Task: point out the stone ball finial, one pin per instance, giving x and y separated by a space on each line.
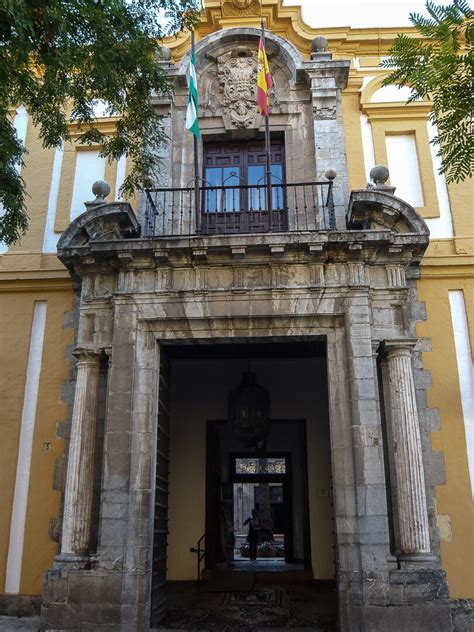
319 44
101 190
379 175
163 54
330 174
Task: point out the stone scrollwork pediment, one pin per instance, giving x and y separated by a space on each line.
101 222
373 209
237 76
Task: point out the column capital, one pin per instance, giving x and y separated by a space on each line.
398 346
85 354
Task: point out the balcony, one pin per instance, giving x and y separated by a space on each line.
238 209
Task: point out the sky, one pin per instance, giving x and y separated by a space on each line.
359 13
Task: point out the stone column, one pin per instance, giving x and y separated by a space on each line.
80 469
408 459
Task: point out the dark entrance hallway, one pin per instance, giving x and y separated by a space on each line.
216 478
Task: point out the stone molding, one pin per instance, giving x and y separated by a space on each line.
378 210
275 45
372 247
86 357
101 222
399 346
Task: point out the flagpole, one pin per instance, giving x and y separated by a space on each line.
196 165
268 174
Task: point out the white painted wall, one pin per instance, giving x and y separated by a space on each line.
89 168
465 371
22 480
50 239
367 145
404 168
440 227
120 177
391 94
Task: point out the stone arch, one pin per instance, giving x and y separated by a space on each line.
275 44
375 85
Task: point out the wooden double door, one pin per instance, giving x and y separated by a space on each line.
234 198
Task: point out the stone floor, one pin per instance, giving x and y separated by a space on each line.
309 607
19 623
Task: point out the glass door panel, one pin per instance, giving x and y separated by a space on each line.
218 200
231 177
257 197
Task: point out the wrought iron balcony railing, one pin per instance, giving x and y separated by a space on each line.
302 206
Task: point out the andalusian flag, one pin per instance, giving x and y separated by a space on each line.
192 112
264 79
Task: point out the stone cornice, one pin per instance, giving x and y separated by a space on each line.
287 22
399 111
105 125
351 246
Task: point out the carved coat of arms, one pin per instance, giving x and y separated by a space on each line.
232 8
237 74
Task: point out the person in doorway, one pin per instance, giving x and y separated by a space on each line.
252 538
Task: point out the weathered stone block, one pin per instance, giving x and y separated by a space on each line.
117 441
417 586
462 613
116 470
113 532
94 587
417 618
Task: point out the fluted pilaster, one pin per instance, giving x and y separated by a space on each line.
80 470
408 459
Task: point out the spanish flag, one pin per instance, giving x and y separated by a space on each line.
264 79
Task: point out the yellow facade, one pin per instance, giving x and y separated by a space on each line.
29 273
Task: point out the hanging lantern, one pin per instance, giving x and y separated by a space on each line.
249 411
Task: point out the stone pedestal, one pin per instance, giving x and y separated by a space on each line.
80 470
408 459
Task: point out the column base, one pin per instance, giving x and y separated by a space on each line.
417 559
72 561
413 584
